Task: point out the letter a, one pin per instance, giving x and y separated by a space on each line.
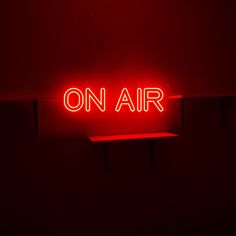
125 99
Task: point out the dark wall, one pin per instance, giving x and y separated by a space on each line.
60 185
57 185
192 42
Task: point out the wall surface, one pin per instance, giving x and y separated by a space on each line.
191 43
61 186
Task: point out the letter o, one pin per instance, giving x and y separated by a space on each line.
67 104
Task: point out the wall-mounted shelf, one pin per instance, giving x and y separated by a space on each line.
105 140
130 137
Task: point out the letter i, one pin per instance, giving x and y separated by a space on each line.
139 100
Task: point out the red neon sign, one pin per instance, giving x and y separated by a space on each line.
144 98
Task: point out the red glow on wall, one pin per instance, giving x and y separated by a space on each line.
96 115
75 99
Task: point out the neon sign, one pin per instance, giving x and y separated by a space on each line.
144 99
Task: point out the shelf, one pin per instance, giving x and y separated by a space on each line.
127 137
